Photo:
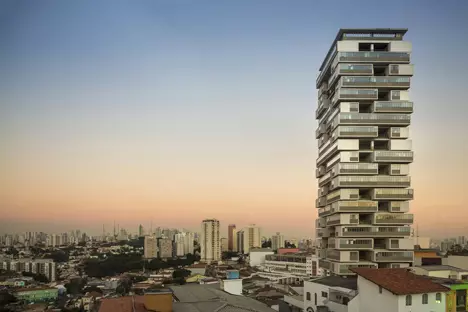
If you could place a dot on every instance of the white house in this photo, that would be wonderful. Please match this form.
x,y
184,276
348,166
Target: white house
x,y
382,290
398,290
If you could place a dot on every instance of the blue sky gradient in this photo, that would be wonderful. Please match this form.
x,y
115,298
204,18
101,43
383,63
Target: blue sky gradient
x,y
213,96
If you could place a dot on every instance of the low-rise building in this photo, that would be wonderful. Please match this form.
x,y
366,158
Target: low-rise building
x,y
383,290
444,271
40,294
257,256
456,261
298,264
457,298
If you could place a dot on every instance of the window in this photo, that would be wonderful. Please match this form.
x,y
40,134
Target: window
x,y
324,294
425,299
380,289
308,296
438,297
409,300
315,298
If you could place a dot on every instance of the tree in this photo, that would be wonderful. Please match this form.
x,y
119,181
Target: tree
x,y
58,256
124,286
266,244
75,286
180,273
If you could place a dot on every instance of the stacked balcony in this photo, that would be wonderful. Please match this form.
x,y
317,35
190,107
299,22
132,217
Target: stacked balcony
x,y
364,112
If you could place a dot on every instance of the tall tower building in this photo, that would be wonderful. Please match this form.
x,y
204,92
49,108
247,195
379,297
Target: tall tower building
x,y
252,238
210,248
364,112
240,241
150,247
231,234
277,241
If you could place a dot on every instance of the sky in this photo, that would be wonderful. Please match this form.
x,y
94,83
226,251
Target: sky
x,y
173,111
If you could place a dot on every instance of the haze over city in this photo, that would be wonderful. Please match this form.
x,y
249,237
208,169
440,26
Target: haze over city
x,y
177,111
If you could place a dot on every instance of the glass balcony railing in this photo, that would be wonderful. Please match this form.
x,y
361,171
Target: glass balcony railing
x,y
351,69
393,107
354,244
374,231
355,168
352,81
371,181
355,94
372,119
374,56
392,194
393,156
354,206
394,219
394,256
356,131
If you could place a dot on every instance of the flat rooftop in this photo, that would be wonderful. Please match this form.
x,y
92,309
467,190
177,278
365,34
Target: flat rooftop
x,y
362,33
337,281
441,268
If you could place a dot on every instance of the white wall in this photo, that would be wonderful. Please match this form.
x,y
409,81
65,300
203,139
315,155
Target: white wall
x,y
370,300
347,46
233,286
257,258
314,288
456,261
417,305
401,46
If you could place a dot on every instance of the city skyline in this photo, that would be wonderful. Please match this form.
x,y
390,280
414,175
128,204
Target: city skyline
x,y
197,111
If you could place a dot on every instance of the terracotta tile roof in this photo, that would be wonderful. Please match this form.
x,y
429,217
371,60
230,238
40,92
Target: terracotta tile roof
x,y
400,281
123,304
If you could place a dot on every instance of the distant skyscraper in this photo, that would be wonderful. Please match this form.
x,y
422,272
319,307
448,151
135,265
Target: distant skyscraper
x,y
231,235
364,114
277,241
210,241
224,244
150,247
252,238
165,247
240,241
141,231
461,241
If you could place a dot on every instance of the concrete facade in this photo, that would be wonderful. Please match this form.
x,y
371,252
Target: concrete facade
x,y
210,241
364,152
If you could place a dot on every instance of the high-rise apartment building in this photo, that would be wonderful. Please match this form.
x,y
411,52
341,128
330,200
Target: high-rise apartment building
x,y
231,236
277,241
240,241
364,151
252,238
164,247
210,248
45,267
224,244
150,247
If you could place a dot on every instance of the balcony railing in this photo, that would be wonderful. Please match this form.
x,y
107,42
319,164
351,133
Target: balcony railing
x,y
392,194
355,168
379,81
344,269
374,56
354,206
374,231
393,219
355,94
371,119
370,181
393,107
355,131
353,244
394,256
393,156
351,69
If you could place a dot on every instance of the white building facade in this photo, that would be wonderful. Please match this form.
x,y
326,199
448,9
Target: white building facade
x,y
364,151
210,241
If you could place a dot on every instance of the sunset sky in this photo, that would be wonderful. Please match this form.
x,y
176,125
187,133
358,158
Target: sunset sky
x,y
176,111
